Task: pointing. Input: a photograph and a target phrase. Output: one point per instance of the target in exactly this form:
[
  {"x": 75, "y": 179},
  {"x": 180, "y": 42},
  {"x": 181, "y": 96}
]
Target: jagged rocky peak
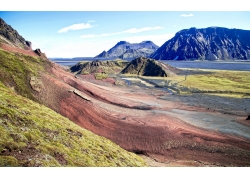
[
  {"x": 122, "y": 42},
  {"x": 212, "y": 43},
  {"x": 103, "y": 54},
  {"x": 126, "y": 50},
  {"x": 11, "y": 36}
]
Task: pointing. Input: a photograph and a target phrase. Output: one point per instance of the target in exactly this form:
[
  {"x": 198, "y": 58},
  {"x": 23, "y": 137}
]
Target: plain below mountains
[
  {"x": 126, "y": 50},
  {"x": 213, "y": 43}
]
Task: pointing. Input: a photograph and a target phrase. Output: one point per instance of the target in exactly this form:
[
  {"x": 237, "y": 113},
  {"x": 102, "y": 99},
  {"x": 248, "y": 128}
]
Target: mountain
[
  {"x": 148, "y": 67},
  {"x": 36, "y": 128},
  {"x": 10, "y": 36},
  {"x": 125, "y": 50},
  {"x": 212, "y": 43},
  {"x": 11, "y": 40},
  {"x": 98, "y": 66}
]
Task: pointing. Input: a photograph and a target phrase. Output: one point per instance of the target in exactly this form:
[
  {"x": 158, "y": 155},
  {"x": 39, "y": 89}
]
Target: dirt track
[{"x": 146, "y": 122}]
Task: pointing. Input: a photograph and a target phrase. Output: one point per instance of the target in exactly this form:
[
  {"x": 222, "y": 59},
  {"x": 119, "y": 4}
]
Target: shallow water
[{"x": 221, "y": 65}]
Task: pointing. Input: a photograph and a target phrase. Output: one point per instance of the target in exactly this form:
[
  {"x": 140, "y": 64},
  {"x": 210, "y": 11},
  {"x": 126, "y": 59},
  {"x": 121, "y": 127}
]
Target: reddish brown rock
[{"x": 136, "y": 121}]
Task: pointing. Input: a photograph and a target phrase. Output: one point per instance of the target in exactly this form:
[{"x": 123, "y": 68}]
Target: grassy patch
[
  {"x": 100, "y": 76},
  {"x": 16, "y": 70},
  {"x": 34, "y": 135},
  {"x": 220, "y": 82}
]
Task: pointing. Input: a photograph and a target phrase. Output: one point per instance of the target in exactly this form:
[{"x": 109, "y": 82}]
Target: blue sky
[{"x": 88, "y": 33}]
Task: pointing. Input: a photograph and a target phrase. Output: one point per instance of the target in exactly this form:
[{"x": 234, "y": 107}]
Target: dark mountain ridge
[
  {"x": 11, "y": 36},
  {"x": 124, "y": 50},
  {"x": 212, "y": 43}
]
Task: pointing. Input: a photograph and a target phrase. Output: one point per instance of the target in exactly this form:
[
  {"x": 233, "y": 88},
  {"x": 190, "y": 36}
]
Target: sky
[{"x": 87, "y": 33}]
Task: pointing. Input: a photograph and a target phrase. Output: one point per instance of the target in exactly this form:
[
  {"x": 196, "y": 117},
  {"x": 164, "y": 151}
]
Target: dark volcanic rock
[
  {"x": 39, "y": 53},
  {"x": 145, "y": 67},
  {"x": 125, "y": 50},
  {"x": 213, "y": 43},
  {"x": 98, "y": 66},
  {"x": 248, "y": 118},
  {"x": 29, "y": 44},
  {"x": 12, "y": 36}
]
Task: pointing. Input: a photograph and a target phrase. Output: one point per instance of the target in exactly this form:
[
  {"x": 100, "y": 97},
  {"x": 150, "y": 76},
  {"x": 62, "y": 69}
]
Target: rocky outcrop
[
  {"x": 126, "y": 50},
  {"x": 213, "y": 43},
  {"x": 11, "y": 36},
  {"x": 98, "y": 66},
  {"x": 148, "y": 67}
]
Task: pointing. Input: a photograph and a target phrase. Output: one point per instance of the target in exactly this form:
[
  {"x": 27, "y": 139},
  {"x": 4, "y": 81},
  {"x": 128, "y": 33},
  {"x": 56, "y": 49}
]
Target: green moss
[
  {"x": 34, "y": 135},
  {"x": 8, "y": 161},
  {"x": 226, "y": 83},
  {"x": 100, "y": 76},
  {"x": 16, "y": 70},
  {"x": 84, "y": 72}
]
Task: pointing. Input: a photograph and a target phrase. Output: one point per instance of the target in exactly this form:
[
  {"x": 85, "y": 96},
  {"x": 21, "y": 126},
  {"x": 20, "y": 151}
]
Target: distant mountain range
[
  {"x": 126, "y": 50},
  {"x": 213, "y": 43}
]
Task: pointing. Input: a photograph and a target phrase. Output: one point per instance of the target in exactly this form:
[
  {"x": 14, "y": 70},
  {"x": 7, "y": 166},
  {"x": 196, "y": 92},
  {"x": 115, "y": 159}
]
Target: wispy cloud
[
  {"x": 135, "y": 30},
  {"x": 186, "y": 15},
  {"x": 130, "y": 31},
  {"x": 90, "y": 21},
  {"x": 75, "y": 27},
  {"x": 174, "y": 25}
]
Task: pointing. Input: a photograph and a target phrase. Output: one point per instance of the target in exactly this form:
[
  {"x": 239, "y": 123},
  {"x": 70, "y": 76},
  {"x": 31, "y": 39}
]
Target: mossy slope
[
  {"x": 34, "y": 135},
  {"x": 16, "y": 69}
]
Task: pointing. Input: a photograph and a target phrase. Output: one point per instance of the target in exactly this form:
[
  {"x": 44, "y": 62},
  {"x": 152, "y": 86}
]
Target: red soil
[
  {"x": 127, "y": 117},
  {"x": 14, "y": 49}
]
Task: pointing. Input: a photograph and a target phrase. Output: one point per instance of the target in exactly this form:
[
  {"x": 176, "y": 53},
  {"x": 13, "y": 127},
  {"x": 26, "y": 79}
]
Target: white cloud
[
  {"x": 130, "y": 31},
  {"x": 75, "y": 27},
  {"x": 186, "y": 15},
  {"x": 174, "y": 25},
  {"x": 135, "y": 30},
  {"x": 91, "y": 21}
]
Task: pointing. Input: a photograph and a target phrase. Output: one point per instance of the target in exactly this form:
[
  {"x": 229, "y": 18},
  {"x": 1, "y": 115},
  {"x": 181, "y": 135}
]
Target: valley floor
[{"x": 169, "y": 125}]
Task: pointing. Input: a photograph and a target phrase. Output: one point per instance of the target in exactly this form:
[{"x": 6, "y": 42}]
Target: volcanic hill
[
  {"x": 212, "y": 43},
  {"x": 35, "y": 135},
  {"x": 97, "y": 66},
  {"x": 126, "y": 50},
  {"x": 148, "y": 67}
]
